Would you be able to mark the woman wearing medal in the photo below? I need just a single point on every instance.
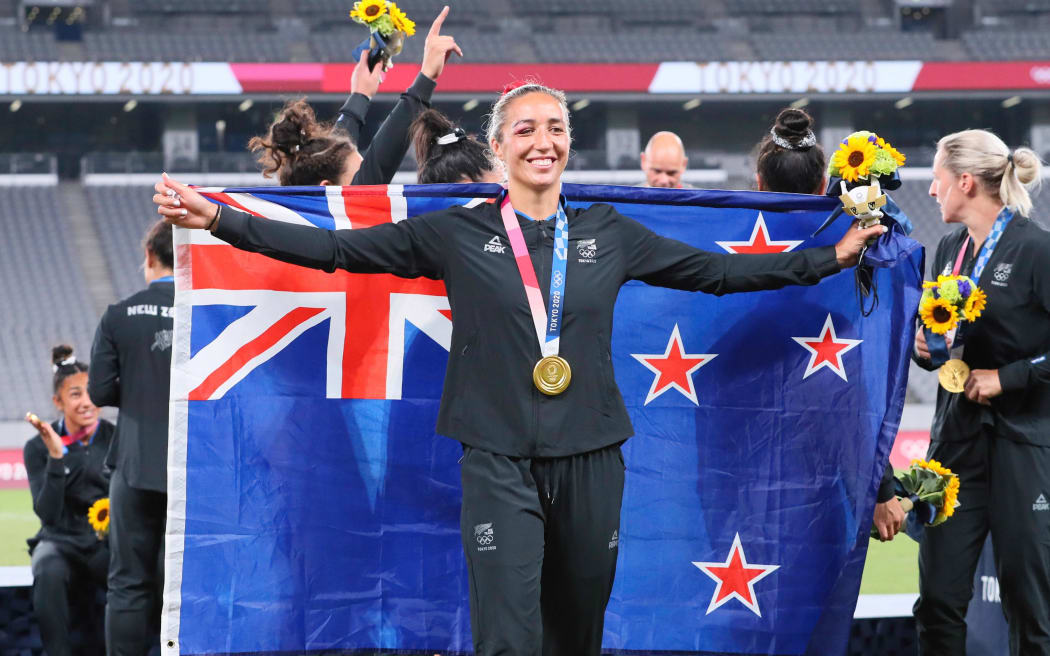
(529, 389)
(993, 430)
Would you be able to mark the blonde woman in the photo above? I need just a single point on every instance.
(996, 434)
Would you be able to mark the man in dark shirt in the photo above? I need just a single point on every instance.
(130, 369)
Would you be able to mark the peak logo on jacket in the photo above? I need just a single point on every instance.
(495, 246)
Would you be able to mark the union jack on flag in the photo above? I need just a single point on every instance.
(313, 509)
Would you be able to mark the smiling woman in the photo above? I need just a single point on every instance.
(530, 390)
(64, 462)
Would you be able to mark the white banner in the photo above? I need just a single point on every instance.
(786, 77)
(117, 78)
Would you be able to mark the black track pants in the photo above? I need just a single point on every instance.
(56, 567)
(1004, 488)
(136, 568)
(541, 538)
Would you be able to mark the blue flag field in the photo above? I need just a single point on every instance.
(313, 509)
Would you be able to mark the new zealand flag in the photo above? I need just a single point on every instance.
(313, 509)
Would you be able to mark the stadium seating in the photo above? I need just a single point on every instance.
(335, 45)
(1007, 45)
(16, 45)
(663, 44)
(122, 214)
(889, 44)
(44, 296)
(235, 46)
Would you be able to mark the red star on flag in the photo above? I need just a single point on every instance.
(760, 241)
(736, 579)
(826, 350)
(673, 368)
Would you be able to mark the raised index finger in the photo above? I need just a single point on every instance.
(435, 27)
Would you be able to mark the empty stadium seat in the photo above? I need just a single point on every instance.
(990, 45)
(45, 296)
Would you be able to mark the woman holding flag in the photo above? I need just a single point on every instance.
(529, 389)
(995, 435)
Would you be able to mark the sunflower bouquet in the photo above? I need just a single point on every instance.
(862, 154)
(928, 491)
(946, 305)
(950, 300)
(388, 25)
(98, 516)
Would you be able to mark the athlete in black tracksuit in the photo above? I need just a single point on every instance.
(66, 550)
(542, 476)
(1000, 452)
(383, 156)
(130, 369)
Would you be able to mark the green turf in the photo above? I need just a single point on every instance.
(892, 567)
(17, 522)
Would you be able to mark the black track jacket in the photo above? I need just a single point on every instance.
(388, 147)
(63, 489)
(1011, 335)
(131, 370)
(489, 400)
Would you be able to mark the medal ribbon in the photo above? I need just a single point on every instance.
(547, 322)
(937, 344)
(987, 248)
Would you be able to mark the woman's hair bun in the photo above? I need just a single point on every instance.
(61, 353)
(792, 124)
(1027, 165)
(295, 129)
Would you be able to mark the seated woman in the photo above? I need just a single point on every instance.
(445, 153)
(303, 151)
(65, 464)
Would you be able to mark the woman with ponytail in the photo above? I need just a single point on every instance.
(305, 152)
(996, 434)
(65, 464)
(445, 153)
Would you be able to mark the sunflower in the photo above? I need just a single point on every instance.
(950, 500)
(854, 158)
(367, 11)
(897, 155)
(938, 315)
(975, 304)
(98, 516)
(401, 20)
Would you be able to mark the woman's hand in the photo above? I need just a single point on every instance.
(983, 385)
(438, 48)
(847, 251)
(889, 518)
(51, 439)
(922, 349)
(363, 80)
(182, 206)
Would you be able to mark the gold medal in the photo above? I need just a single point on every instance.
(552, 375)
(953, 375)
